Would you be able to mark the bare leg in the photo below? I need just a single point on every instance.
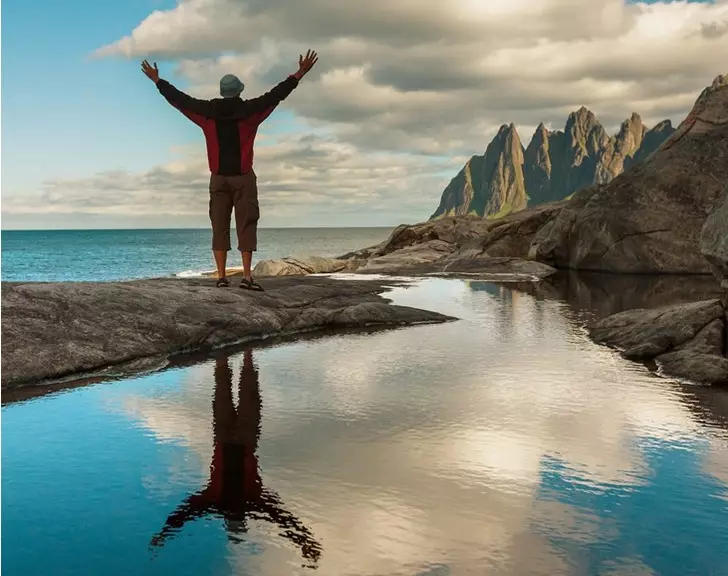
(247, 262)
(220, 260)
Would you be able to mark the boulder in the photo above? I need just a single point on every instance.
(699, 368)
(649, 218)
(645, 333)
(467, 236)
(402, 259)
(686, 340)
(455, 231)
(299, 266)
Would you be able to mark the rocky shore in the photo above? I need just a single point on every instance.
(56, 331)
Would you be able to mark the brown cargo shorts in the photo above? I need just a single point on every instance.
(239, 193)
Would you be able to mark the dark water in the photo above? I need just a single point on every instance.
(506, 443)
(83, 255)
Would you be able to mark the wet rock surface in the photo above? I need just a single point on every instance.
(52, 331)
(686, 341)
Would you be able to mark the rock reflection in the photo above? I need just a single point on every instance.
(601, 294)
(235, 489)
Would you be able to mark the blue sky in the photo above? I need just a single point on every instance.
(373, 149)
(79, 114)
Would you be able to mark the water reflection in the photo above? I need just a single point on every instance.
(601, 294)
(235, 489)
(505, 444)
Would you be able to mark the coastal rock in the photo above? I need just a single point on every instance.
(699, 368)
(649, 219)
(556, 164)
(714, 238)
(514, 235)
(686, 340)
(408, 257)
(510, 268)
(432, 247)
(455, 231)
(299, 266)
(289, 267)
(469, 236)
(52, 331)
(643, 333)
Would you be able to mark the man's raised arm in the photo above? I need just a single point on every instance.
(265, 104)
(195, 109)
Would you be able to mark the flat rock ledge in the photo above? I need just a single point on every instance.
(60, 331)
(433, 258)
(291, 267)
(686, 341)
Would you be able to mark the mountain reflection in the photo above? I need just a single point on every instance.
(235, 489)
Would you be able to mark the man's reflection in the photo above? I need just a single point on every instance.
(235, 490)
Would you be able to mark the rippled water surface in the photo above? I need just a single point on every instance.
(505, 443)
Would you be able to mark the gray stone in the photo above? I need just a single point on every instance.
(709, 369)
(56, 330)
(643, 334)
(714, 237)
(299, 266)
(408, 257)
(455, 231)
(494, 267)
(709, 340)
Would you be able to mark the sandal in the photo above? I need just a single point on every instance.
(222, 283)
(250, 285)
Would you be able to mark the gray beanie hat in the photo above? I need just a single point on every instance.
(230, 86)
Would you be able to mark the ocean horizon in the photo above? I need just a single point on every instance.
(113, 254)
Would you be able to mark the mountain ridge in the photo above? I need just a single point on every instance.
(556, 163)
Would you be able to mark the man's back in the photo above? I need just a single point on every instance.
(229, 124)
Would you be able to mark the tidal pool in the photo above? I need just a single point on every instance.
(504, 443)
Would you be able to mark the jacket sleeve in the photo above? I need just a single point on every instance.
(196, 110)
(262, 106)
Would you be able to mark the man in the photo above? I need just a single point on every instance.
(235, 490)
(230, 125)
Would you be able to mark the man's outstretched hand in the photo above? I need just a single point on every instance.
(151, 72)
(305, 63)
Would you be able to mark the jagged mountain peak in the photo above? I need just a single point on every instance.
(660, 126)
(581, 116)
(719, 81)
(553, 166)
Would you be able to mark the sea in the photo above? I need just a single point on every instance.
(506, 443)
(107, 255)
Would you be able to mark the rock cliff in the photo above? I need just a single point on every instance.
(650, 219)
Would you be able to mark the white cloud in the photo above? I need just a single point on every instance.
(420, 78)
(302, 178)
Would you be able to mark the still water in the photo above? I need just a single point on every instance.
(505, 443)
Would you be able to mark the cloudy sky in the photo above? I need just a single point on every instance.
(404, 92)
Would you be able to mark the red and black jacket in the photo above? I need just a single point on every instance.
(229, 124)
